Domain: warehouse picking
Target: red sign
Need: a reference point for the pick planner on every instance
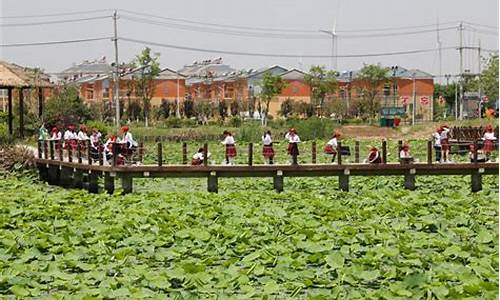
(404, 100)
(424, 100)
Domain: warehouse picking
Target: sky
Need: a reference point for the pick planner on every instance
(288, 16)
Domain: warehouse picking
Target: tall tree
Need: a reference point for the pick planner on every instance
(148, 69)
(322, 83)
(371, 77)
(488, 80)
(271, 85)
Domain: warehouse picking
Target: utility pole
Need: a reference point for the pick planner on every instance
(456, 101)
(116, 93)
(460, 80)
(439, 50)
(479, 78)
(414, 100)
(177, 108)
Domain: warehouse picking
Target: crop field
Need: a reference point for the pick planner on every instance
(311, 242)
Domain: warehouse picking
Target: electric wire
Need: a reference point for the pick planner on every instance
(57, 14)
(55, 42)
(52, 22)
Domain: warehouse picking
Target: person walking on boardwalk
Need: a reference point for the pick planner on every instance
(436, 135)
(199, 157)
(445, 144)
(293, 144)
(332, 145)
(373, 156)
(488, 138)
(229, 142)
(267, 148)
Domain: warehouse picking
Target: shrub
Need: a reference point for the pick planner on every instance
(250, 132)
(312, 128)
(16, 158)
(234, 122)
(173, 122)
(101, 126)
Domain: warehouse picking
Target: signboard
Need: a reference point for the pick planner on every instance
(392, 111)
(404, 100)
(424, 100)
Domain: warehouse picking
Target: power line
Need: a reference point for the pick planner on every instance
(277, 55)
(481, 25)
(52, 22)
(54, 42)
(57, 14)
(395, 33)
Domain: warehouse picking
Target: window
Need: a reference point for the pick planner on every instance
(387, 89)
(105, 93)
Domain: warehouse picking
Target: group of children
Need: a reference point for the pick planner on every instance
(72, 139)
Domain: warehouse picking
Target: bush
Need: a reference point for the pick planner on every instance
(312, 128)
(5, 138)
(173, 122)
(234, 122)
(250, 132)
(101, 126)
(16, 158)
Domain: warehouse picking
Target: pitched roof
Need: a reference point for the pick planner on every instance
(89, 68)
(293, 74)
(274, 69)
(13, 75)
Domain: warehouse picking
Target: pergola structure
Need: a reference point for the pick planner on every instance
(14, 77)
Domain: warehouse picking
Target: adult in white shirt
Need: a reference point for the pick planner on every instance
(229, 142)
(293, 144)
(488, 138)
(267, 147)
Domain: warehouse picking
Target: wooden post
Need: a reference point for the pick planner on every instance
(70, 153)
(79, 152)
(53, 175)
(101, 157)
(89, 152)
(114, 146)
(43, 172)
(429, 152)
(51, 149)
(339, 153)
(40, 102)
(384, 151)
(141, 151)
(250, 154)
(344, 181)
(475, 152)
(77, 179)
(205, 154)
(184, 153)
(39, 144)
(66, 177)
(21, 113)
(476, 182)
(278, 181)
(61, 154)
(212, 184)
(46, 149)
(109, 183)
(400, 147)
(356, 152)
(93, 186)
(127, 184)
(10, 116)
(313, 154)
(294, 157)
(160, 155)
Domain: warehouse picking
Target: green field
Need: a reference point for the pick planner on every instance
(378, 241)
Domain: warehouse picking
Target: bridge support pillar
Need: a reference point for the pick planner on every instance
(109, 183)
(78, 179)
(127, 184)
(53, 175)
(410, 180)
(344, 183)
(476, 181)
(278, 182)
(93, 186)
(43, 172)
(66, 177)
(212, 182)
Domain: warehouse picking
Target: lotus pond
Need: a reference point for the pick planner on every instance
(378, 241)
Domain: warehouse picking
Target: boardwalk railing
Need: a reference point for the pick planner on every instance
(85, 170)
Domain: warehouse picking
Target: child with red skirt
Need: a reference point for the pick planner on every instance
(229, 142)
(267, 148)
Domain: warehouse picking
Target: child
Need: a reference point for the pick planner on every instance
(230, 148)
(108, 151)
(267, 148)
(293, 144)
(437, 143)
(83, 137)
(481, 157)
(373, 156)
(70, 137)
(43, 134)
(488, 138)
(128, 139)
(198, 157)
(445, 144)
(55, 135)
(95, 143)
(332, 145)
(404, 155)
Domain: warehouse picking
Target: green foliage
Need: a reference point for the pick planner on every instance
(310, 242)
(488, 81)
(313, 128)
(235, 122)
(286, 108)
(321, 82)
(101, 126)
(271, 85)
(65, 107)
(371, 77)
(148, 65)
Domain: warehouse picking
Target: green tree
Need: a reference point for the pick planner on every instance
(65, 107)
(488, 81)
(271, 85)
(148, 69)
(321, 83)
(371, 77)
